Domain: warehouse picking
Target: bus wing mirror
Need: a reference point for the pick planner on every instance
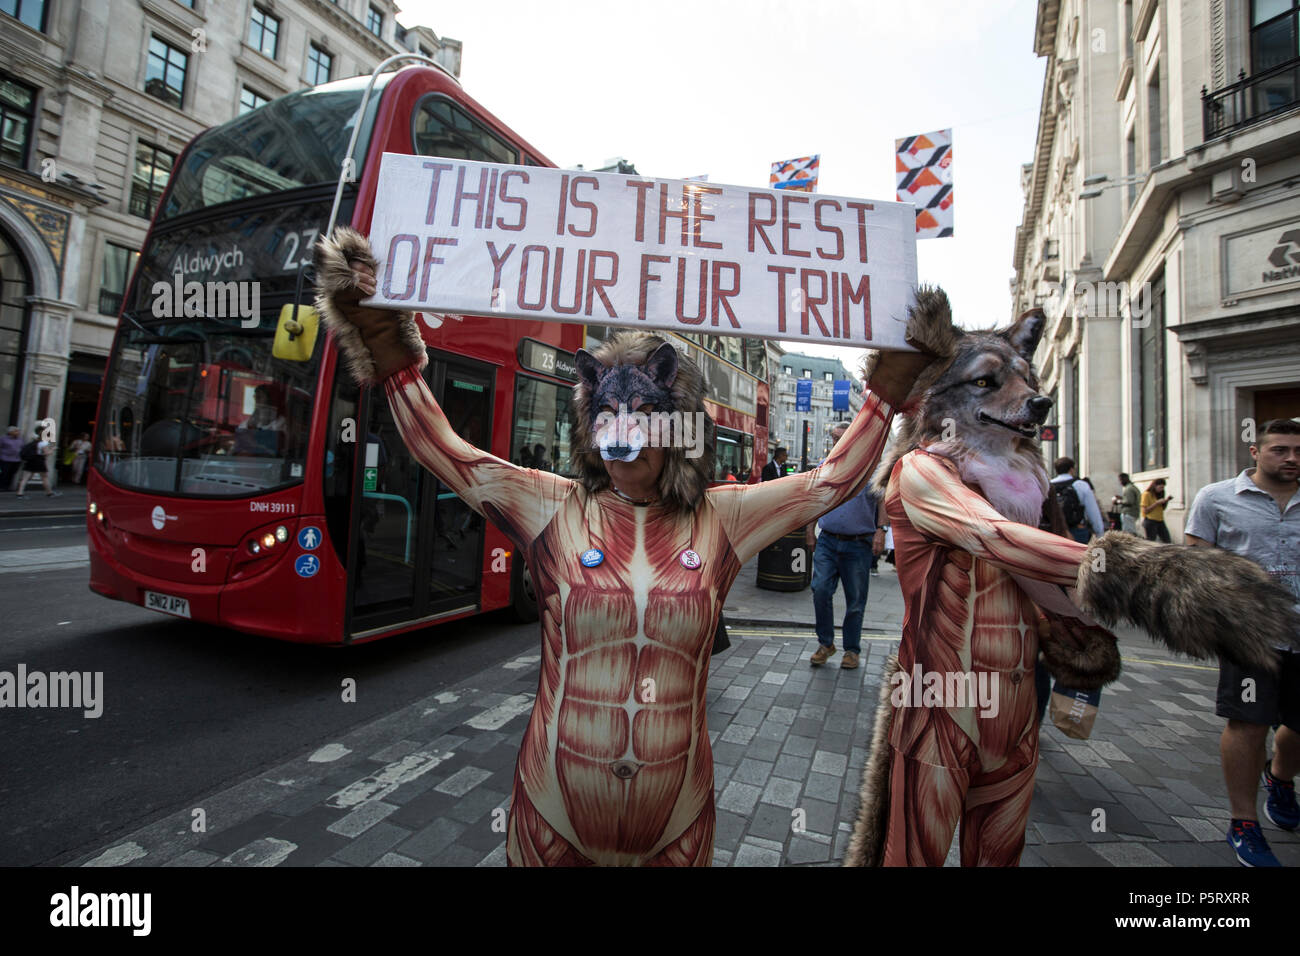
(295, 336)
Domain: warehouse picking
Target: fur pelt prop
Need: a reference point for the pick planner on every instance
(334, 281)
(867, 845)
(684, 480)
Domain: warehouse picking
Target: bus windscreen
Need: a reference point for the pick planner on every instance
(298, 140)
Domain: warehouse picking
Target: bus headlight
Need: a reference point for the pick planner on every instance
(268, 540)
(282, 534)
(93, 508)
(254, 547)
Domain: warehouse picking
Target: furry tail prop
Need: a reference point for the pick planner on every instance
(374, 342)
(867, 845)
(1203, 602)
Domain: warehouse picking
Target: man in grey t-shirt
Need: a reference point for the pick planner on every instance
(1257, 515)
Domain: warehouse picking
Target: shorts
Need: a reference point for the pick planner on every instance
(33, 468)
(1277, 696)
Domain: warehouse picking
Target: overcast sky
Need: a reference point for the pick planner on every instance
(725, 87)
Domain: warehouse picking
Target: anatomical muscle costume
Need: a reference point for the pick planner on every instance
(615, 766)
(964, 486)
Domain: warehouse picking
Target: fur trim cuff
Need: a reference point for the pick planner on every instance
(867, 845)
(374, 343)
(1203, 602)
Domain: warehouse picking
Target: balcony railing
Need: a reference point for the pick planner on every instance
(1251, 98)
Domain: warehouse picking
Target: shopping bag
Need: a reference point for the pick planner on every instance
(1074, 711)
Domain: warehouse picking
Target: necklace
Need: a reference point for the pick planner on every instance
(635, 501)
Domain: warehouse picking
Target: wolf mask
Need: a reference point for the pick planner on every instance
(981, 408)
(636, 390)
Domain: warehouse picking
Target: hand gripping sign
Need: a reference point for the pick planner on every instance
(685, 256)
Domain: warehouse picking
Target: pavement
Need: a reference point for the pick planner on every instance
(71, 500)
(429, 784)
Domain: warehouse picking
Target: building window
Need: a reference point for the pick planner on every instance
(1130, 160)
(830, 377)
(30, 12)
(15, 287)
(114, 275)
(250, 100)
(319, 64)
(807, 373)
(165, 73)
(1074, 409)
(1149, 364)
(1273, 33)
(17, 109)
(264, 32)
(375, 22)
(788, 370)
(1155, 115)
(153, 167)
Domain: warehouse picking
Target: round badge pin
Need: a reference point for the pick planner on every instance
(591, 557)
(689, 559)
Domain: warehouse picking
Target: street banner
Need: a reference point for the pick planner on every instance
(803, 395)
(797, 174)
(840, 395)
(923, 165)
(531, 242)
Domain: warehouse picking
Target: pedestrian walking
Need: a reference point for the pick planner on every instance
(11, 456)
(1078, 502)
(842, 555)
(36, 461)
(81, 455)
(1153, 504)
(1257, 515)
(776, 467)
(1130, 504)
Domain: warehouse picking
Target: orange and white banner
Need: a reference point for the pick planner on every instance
(923, 165)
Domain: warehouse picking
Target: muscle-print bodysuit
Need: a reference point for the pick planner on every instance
(615, 766)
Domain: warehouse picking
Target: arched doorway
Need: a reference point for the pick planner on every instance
(15, 287)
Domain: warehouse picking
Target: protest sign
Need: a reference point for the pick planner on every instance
(539, 243)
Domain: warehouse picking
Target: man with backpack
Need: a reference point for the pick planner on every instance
(1077, 501)
(35, 455)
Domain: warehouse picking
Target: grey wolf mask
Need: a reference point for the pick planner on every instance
(635, 371)
(981, 408)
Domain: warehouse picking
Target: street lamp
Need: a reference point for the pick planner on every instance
(1103, 182)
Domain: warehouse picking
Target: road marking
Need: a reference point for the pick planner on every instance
(44, 559)
(119, 855)
(266, 851)
(494, 718)
(379, 785)
(329, 753)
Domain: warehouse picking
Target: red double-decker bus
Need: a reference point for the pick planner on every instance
(239, 477)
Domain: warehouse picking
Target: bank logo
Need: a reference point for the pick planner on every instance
(159, 517)
(1285, 258)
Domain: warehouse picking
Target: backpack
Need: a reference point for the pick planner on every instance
(1071, 506)
(30, 454)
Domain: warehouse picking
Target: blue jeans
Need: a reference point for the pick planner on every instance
(848, 562)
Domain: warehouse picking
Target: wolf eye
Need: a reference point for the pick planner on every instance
(983, 383)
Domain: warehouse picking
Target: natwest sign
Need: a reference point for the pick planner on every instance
(1261, 261)
(687, 256)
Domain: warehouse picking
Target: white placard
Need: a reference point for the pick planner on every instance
(539, 243)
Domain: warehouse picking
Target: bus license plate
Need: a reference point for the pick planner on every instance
(167, 603)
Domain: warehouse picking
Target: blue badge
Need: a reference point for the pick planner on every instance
(309, 538)
(306, 565)
(591, 557)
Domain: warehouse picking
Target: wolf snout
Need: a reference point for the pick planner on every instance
(1039, 406)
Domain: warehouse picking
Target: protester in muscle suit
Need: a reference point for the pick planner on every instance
(631, 562)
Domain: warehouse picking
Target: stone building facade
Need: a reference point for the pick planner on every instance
(786, 425)
(98, 98)
(1164, 199)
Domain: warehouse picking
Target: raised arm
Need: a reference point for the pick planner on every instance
(385, 348)
(521, 501)
(941, 507)
(754, 516)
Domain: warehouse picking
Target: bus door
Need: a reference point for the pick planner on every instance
(417, 551)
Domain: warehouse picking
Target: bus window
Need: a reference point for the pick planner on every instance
(440, 128)
(755, 358)
(542, 426)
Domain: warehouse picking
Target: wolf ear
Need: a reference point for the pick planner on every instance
(1024, 335)
(661, 366)
(589, 369)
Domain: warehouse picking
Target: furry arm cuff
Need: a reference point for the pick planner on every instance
(521, 501)
(1203, 602)
(756, 515)
(374, 343)
(901, 378)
